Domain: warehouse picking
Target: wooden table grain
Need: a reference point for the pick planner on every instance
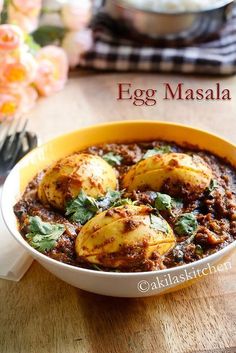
(41, 314)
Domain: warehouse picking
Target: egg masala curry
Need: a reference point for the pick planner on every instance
(131, 207)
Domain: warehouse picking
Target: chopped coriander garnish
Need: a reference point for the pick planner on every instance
(158, 223)
(96, 267)
(113, 199)
(199, 250)
(186, 224)
(157, 150)
(125, 201)
(213, 185)
(82, 208)
(109, 200)
(163, 202)
(112, 158)
(177, 203)
(43, 236)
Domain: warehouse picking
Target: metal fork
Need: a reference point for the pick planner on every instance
(11, 144)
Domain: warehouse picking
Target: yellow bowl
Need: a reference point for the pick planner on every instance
(115, 284)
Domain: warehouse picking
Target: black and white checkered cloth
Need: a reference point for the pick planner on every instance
(114, 52)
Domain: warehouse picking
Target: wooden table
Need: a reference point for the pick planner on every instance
(41, 314)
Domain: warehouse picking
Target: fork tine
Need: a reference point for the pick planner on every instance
(19, 143)
(9, 142)
(5, 135)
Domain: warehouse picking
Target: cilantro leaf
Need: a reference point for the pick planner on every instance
(113, 199)
(158, 223)
(38, 226)
(186, 224)
(82, 208)
(125, 201)
(163, 202)
(177, 203)
(96, 267)
(213, 185)
(43, 236)
(112, 158)
(199, 250)
(109, 200)
(157, 150)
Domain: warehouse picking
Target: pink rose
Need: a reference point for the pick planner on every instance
(15, 102)
(20, 71)
(29, 97)
(26, 22)
(52, 70)
(75, 44)
(76, 14)
(28, 7)
(9, 104)
(11, 37)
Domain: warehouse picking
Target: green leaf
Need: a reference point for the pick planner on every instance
(213, 185)
(186, 224)
(158, 223)
(112, 159)
(82, 208)
(38, 226)
(123, 202)
(96, 267)
(30, 42)
(113, 199)
(199, 250)
(163, 202)
(46, 35)
(157, 150)
(43, 236)
(177, 203)
(109, 200)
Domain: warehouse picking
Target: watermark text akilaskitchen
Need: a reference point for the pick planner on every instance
(169, 280)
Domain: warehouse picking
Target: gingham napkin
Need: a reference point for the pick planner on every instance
(112, 51)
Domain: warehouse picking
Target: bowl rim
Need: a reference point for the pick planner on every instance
(219, 5)
(18, 237)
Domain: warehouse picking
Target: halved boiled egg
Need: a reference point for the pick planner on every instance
(176, 173)
(67, 177)
(123, 237)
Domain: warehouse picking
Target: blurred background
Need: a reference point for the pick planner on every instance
(41, 40)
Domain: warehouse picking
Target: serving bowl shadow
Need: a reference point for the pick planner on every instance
(116, 284)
